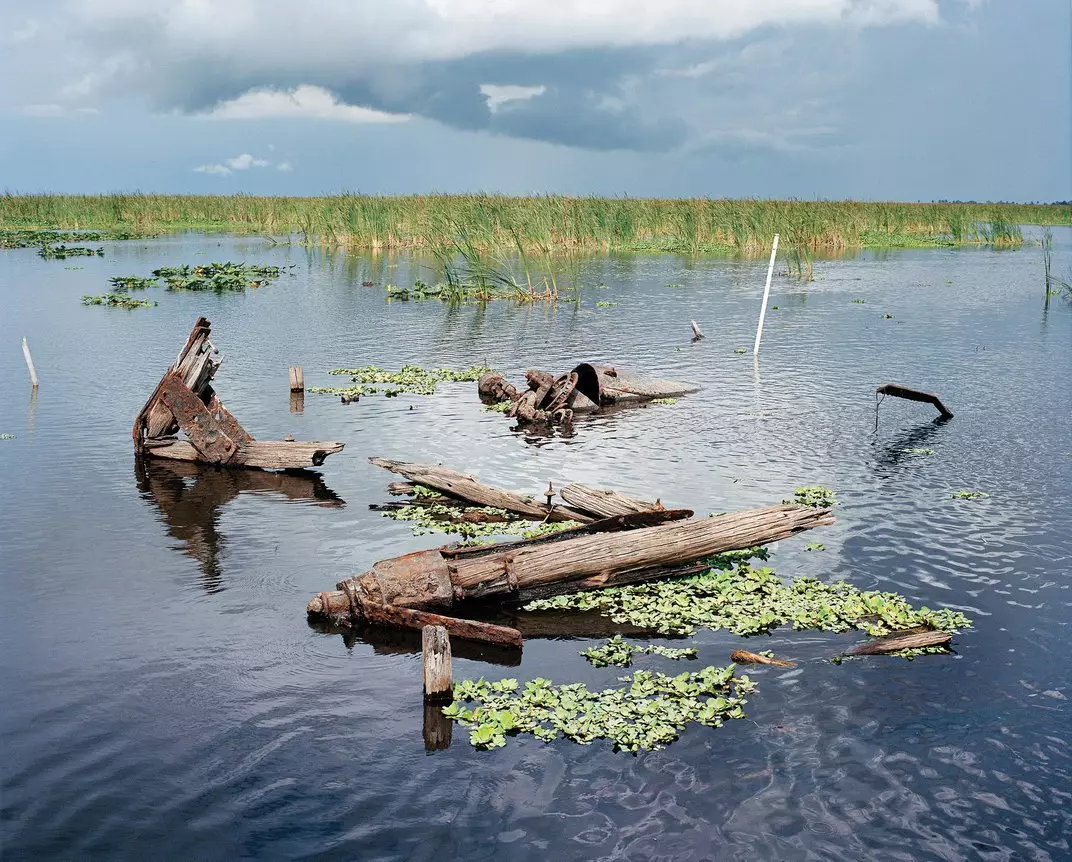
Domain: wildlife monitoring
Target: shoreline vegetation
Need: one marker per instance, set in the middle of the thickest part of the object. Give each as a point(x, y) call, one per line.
point(544, 225)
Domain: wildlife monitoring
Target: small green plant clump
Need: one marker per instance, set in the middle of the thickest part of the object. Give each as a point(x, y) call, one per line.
point(62, 252)
point(412, 379)
point(42, 238)
point(918, 450)
point(887, 316)
point(859, 301)
point(218, 277)
point(646, 714)
point(7, 436)
point(619, 652)
point(965, 494)
point(815, 546)
point(750, 601)
point(605, 303)
point(740, 350)
point(131, 282)
point(663, 401)
point(499, 406)
point(430, 517)
point(117, 300)
point(813, 495)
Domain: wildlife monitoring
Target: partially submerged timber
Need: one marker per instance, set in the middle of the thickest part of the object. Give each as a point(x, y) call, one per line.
point(620, 541)
point(185, 401)
point(552, 400)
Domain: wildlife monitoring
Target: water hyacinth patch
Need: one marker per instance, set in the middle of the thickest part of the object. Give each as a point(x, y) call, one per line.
point(62, 252)
point(429, 517)
point(646, 714)
point(619, 652)
point(117, 300)
point(217, 277)
point(815, 496)
point(412, 379)
point(750, 601)
point(131, 282)
point(965, 494)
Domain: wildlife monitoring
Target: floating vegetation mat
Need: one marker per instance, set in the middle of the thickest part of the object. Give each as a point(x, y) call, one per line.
point(41, 238)
point(619, 652)
point(117, 300)
point(7, 436)
point(965, 494)
point(219, 277)
point(813, 495)
point(749, 601)
point(61, 252)
point(412, 379)
point(645, 714)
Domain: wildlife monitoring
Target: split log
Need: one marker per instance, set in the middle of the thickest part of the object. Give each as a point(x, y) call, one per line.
point(743, 656)
point(602, 503)
point(898, 391)
point(468, 488)
point(899, 641)
point(297, 379)
point(436, 664)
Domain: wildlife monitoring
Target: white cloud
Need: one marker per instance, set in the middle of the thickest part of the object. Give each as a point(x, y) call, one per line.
point(499, 94)
point(284, 166)
point(305, 101)
point(217, 170)
point(53, 110)
point(26, 32)
point(243, 162)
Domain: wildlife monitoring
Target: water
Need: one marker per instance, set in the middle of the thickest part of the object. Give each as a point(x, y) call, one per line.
point(164, 695)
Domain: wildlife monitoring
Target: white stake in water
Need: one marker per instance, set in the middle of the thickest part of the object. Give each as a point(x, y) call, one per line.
point(29, 364)
point(766, 296)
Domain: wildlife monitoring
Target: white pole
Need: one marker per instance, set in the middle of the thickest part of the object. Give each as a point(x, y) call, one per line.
point(766, 296)
point(29, 363)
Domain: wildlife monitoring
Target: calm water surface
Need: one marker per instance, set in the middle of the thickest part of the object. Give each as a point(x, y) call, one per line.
point(165, 697)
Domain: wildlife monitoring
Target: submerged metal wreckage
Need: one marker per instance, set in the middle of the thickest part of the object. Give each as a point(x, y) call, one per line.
point(185, 401)
point(552, 400)
point(620, 540)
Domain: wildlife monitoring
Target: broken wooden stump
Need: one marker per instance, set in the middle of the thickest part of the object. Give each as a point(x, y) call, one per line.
point(436, 664)
point(697, 333)
point(185, 401)
point(743, 656)
point(901, 640)
point(897, 391)
point(297, 379)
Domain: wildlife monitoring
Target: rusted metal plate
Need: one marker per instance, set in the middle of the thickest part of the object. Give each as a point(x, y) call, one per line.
point(417, 580)
point(194, 418)
point(231, 426)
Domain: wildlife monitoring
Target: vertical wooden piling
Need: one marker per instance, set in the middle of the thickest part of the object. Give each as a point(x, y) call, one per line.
point(438, 676)
point(297, 379)
point(29, 363)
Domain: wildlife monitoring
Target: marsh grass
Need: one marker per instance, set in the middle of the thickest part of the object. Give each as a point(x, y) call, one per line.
point(542, 225)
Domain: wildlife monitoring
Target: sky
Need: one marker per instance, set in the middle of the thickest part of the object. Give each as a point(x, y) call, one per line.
point(865, 99)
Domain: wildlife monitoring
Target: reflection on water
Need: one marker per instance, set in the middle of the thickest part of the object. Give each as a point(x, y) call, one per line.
point(191, 496)
point(148, 711)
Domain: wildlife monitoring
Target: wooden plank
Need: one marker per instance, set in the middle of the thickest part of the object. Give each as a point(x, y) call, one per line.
point(260, 454)
point(899, 641)
point(602, 503)
point(898, 391)
point(408, 618)
point(468, 488)
point(297, 379)
point(436, 664)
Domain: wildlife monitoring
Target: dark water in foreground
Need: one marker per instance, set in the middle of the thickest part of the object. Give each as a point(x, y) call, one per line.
point(164, 696)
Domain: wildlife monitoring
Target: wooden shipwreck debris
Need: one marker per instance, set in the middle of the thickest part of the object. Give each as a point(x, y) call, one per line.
point(897, 391)
point(743, 656)
point(410, 589)
point(552, 400)
point(902, 640)
point(185, 401)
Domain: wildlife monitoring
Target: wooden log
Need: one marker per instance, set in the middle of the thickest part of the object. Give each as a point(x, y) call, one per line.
point(743, 656)
point(898, 391)
point(899, 641)
point(297, 379)
point(467, 488)
point(596, 555)
point(392, 615)
point(264, 455)
point(436, 664)
point(697, 334)
point(29, 364)
point(602, 503)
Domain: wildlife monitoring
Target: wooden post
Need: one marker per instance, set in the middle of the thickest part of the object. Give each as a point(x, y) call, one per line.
point(438, 676)
point(697, 333)
point(297, 379)
point(766, 296)
point(29, 363)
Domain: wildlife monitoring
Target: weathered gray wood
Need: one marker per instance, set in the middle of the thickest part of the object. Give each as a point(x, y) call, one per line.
point(897, 642)
point(436, 664)
point(468, 488)
point(297, 379)
point(602, 503)
point(261, 454)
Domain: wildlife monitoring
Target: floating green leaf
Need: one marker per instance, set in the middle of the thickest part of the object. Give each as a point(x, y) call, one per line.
point(370, 379)
point(965, 494)
point(813, 495)
point(117, 300)
point(619, 652)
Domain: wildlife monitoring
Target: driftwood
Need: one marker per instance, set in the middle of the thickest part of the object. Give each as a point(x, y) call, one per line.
point(552, 400)
point(441, 578)
point(900, 640)
point(184, 400)
point(743, 656)
point(898, 391)
point(436, 664)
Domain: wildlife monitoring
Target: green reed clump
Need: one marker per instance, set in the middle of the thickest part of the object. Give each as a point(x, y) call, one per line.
point(619, 652)
point(749, 601)
point(117, 300)
point(647, 713)
point(412, 379)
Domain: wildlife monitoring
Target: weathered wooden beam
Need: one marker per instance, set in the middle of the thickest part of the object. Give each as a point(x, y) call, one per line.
point(264, 455)
point(436, 664)
point(602, 503)
point(897, 642)
point(297, 379)
point(743, 656)
point(897, 391)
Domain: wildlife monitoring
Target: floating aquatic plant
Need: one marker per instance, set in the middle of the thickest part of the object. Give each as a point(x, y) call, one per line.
point(918, 450)
point(859, 301)
point(131, 282)
point(61, 252)
point(965, 494)
point(646, 714)
point(7, 436)
point(740, 350)
point(813, 495)
point(749, 601)
point(473, 522)
point(412, 379)
point(219, 277)
point(605, 303)
point(815, 546)
point(117, 300)
point(41, 238)
point(663, 401)
point(499, 406)
point(887, 316)
point(619, 652)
